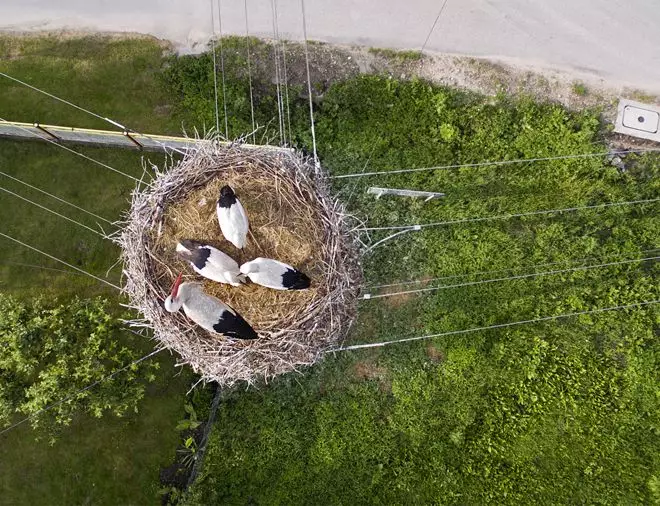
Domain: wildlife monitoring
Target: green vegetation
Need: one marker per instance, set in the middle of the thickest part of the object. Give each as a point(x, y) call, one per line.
point(75, 180)
point(114, 77)
point(189, 81)
point(555, 412)
point(580, 89)
point(93, 461)
point(54, 352)
point(106, 461)
point(400, 56)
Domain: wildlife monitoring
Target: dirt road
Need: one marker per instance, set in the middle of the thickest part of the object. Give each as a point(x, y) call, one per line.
point(613, 40)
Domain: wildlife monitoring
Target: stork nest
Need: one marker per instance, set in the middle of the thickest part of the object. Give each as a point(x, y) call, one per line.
point(292, 218)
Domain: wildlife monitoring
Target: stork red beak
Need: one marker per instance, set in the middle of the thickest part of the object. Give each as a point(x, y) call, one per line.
point(175, 286)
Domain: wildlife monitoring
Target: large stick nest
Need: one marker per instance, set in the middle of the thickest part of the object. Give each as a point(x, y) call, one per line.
point(293, 219)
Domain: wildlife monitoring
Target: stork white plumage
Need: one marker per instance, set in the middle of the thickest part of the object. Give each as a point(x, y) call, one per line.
point(206, 311)
point(210, 262)
point(275, 274)
point(232, 217)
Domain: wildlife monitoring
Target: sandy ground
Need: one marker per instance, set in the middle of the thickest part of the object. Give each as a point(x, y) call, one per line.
point(607, 42)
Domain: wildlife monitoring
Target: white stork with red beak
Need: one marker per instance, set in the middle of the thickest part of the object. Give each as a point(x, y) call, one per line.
point(232, 217)
point(210, 262)
point(207, 311)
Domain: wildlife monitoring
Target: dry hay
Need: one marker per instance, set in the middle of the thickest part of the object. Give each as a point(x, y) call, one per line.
point(292, 219)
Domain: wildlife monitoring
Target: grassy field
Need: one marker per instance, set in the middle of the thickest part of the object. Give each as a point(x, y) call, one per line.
point(558, 412)
point(107, 461)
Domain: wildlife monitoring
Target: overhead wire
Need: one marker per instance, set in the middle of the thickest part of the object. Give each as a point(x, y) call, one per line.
point(77, 153)
point(53, 212)
point(82, 390)
point(309, 84)
point(222, 69)
point(495, 271)
point(215, 71)
point(56, 197)
point(278, 89)
point(87, 111)
point(404, 229)
point(249, 67)
point(370, 296)
point(437, 18)
point(78, 269)
point(285, 74)
point(21, 264)
point(493, 327)
point(509, 216)
point(496, 163)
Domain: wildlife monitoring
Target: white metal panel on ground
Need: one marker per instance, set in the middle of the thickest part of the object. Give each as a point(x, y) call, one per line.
point(638, 120)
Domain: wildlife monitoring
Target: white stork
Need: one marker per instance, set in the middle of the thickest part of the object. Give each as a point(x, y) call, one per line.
point(206, 311)
point(210, 262)
point(232, 217)
point(274, 274)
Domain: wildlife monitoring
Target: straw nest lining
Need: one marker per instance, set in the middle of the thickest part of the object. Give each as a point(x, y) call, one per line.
point(292, 219)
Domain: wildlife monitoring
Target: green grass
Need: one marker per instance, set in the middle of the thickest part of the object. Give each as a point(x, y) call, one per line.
point(75, 180)
point(580, 89)
point(103, 462)
point(400, 56)
point(112, 77)
point(115, 78)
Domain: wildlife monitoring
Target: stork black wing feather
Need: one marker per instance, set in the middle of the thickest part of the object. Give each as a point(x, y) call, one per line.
point(233, 325)
point(199, 256)
point(293, 279)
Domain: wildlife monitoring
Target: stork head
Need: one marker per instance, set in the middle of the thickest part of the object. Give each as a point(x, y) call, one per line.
point(227, 191)
point(173, 302)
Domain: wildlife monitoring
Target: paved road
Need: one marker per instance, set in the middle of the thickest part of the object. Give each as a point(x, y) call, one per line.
point(617, 40)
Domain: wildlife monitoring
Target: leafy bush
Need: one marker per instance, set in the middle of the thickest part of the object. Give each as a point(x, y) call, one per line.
point(50, 353)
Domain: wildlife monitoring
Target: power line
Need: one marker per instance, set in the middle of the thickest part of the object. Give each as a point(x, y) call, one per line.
point(222, 69)
point(278, 89)
point(286, 92)
point(53, 212)
point(479, 273)
point(284, 69)
point(21, 264)
point(433, 27)
point(88, 387)
point(56, 197)
point(60, 261)
point(87, 111)
point(496, 163)
point(309, 85)
point(509, 216)
point(249, 66)
point(77, 153)
point(369, 296)
point(491, 327)
point(215, 71)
